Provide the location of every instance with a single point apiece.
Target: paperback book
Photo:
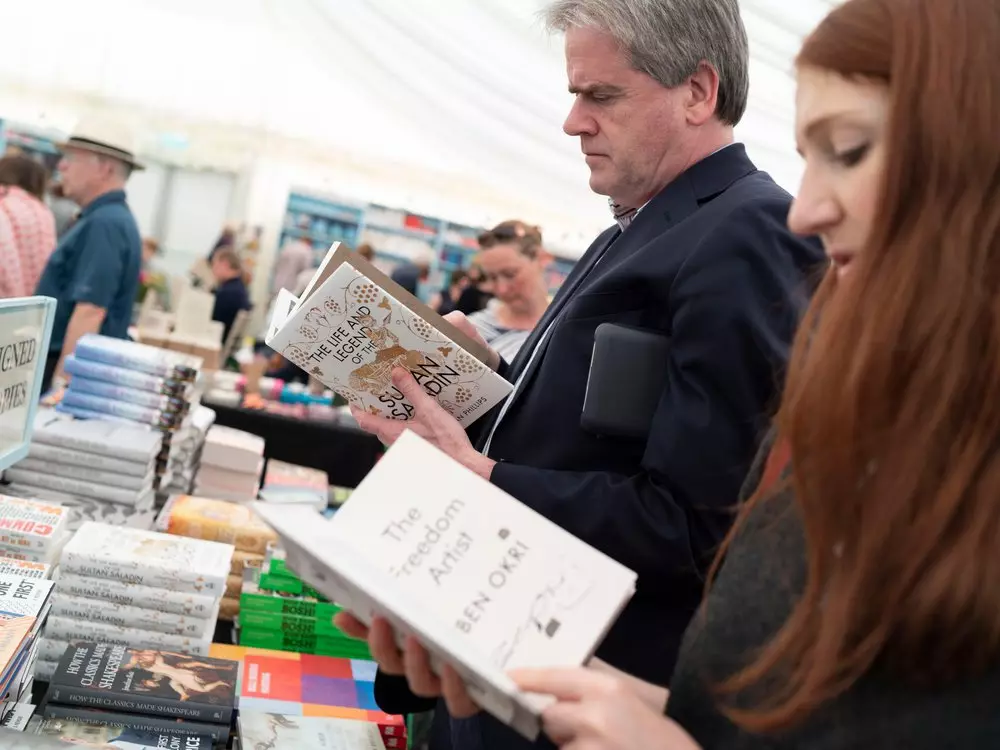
(30, 526)
(116, 736)
(353, 326)
(483, 581)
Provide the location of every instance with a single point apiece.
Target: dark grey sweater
(762, 577)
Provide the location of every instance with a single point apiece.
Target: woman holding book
(855, 603)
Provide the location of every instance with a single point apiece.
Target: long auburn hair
(891, 408)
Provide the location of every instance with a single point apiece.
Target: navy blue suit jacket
(710, 262)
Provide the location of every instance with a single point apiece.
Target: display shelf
(25, 328)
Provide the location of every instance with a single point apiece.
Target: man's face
(631, 128)
(81, 171)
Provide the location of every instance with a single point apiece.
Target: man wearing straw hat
(94, 272)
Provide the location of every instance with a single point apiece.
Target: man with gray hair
(701, 262)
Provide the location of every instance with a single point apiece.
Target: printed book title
(91, 668)
(16, 355)
(438, 545)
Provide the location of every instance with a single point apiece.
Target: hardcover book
(278, 731)
(353, 326)
(158, 683)
(216, 520)
(106, 438)
(125, 615)
(128, 354)
(70, 630)
(116, 736)
(135, 595)
(30, 525)
(483, 581)
(148, 558)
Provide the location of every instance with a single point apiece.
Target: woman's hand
(413, 662)
(598, 711)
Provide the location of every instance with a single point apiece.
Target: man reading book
(699, 253)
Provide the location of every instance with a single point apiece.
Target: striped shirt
(505, 341)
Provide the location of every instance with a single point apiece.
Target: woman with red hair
(856, 603)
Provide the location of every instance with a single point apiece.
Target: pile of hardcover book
(137, 588)
(231, 464)
(280, 612)
(122, 381)
(288, 483)
(103, 471)
(185, 451)
(220, 521)
(147, 697)
(25, 599)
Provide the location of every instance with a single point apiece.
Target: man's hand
(463, 324)
(596, 710)
(413, 663)
(430, 422)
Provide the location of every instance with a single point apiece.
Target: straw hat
(105, 137)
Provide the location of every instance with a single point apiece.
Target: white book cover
(24, 568)
(482, 580)
(134, 595)
(148, 558)
(23, 596)
(354, 325)
(69, 629)
(30, 525)
(125, 615)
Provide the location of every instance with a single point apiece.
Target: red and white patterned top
(27, 239)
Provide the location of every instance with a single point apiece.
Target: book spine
(148, 705)
(286, 605)
(125, 377)
(68, 629)
(174, 602)
(71, 486)
(87, 474)
(111, 407)
(113, 448)
(294, 624)
(70, 457)
(144, 359)
(125, 393)
(126, 616)
(175, 580)
(218, 732)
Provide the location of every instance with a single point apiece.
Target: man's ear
(703, 94)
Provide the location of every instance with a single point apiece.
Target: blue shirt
(230, 297)
(97, 261)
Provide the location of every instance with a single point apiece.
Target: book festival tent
(450, 108)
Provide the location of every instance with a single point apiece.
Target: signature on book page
(548, 608)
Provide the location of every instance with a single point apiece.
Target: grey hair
(669, 39)
(122, 170)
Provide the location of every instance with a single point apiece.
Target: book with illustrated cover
(106, 736)
(265, 731)
(30, 525)
(486, 583)
(135, 595)
(148, 558)
(146, 681)
(353, 326)
(288, 483)
(216, 520)
(216, 733)
(23, 595)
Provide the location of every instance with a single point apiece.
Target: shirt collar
(112, 196)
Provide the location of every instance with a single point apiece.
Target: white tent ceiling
(470, 90)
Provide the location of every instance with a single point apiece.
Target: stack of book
(102, 470)
(291, 700)
(280, 612)
(137, 588)
(231, 464)
(154, 691)
(32, 530)
(25, 599)
(220, 521)
(288, 483)
(184, 455)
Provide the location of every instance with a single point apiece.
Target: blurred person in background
(411, 274)
(366, 251)
(446, 300)
(64, 209)
(226, 239)
(295, 257)
(513, 261)
(231, 294)
(477, 293)
(27, 226)
(94, 272)
(150, 276)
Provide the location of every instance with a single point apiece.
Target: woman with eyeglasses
(512, 262)
(856, 603)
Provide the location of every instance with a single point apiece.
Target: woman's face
(840, 132)
(513, 277)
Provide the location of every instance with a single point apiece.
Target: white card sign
(25, 327)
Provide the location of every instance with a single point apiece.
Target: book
(23, 595)
(304, 643)
(135, 595)
(70, 629)
(18, 716)
(76, 487)
(89, 474)
(157, 683)
(24, 568)
(216, 733)
(126, 378)
(130, 355)
(53, 454)
(278, 731)
(148, 558)
(125, 615)
(122, 441)
(232, 449)
(353, 326)
(216, 520)
(117, 736)
(77, 401)
(288, 483)
(483, 581)
(30, 525)
(256, 599)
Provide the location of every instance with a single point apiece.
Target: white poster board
(25, 327)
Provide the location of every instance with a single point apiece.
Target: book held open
(353, 325)
(483, 581)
